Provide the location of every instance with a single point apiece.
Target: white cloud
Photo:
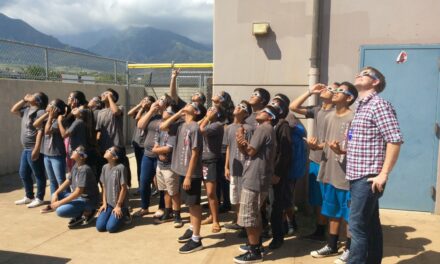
(192, 18)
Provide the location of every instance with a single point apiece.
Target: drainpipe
(315, 59)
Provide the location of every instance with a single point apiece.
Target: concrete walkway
(30, 237)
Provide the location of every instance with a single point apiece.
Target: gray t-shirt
(188, 137)
(252, 120)
(111, 127)
(139, 136)
(319, 115)
(53, 143)
(163, 138)
(150, 131)
(28, 133)
(236, 157)
(258, 170)
(113, 178)
(332, 169)
(212, 140)
(78, 134)
(83, 177)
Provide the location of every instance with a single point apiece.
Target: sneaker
(248, 257)
(25, 200)
(46, 209)
(232, 226)
(154, 191)
(343, 258)
(164, 218)
(88, 219)
(191, 246)
(326, 251)
(75, 221)
(245, 248)
(178, 223)
(186, 236)
(158, 214)
(35, 203)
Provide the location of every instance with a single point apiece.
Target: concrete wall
(12, 91)
(278, 61)
(356, 23)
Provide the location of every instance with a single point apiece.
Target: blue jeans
(29, 167)
(148, 170)
(107, 221)
(74, 208)
(366, 230)
(56, 171)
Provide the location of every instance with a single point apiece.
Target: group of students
(257, 149)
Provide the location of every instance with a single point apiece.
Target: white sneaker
(25, 200)
(343, 258)
(36, 202)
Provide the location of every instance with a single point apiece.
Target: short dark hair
(284, 104)
(80, 97)
(151, 98)
(352, 89)
(382, 82)
(202, 112)
(275, 112)
(114, 93)
(248, 106)
(61, 105)
(265, 95)
(42, 100)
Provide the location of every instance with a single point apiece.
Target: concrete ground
(30, 237)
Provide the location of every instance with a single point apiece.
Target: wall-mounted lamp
(260, 29)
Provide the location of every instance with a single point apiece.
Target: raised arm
(165, 126)
(297, 104)
(173, 87)
(39, 121)
(143, 121)
(19, 105)
(113, 106)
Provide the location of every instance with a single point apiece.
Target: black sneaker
(87, 219)
(178, 223)
(248, 257)
(75, 221)
(186, 236)
(326, 251)
(191, 246)
(245, 248)
(233, 226)
(275, 243)
(164, 218)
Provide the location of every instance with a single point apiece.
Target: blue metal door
(412, 87)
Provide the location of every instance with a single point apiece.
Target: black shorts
(192, 196)
(209, 170)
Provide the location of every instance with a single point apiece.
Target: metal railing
(29, 61)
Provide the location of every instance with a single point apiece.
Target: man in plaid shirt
(374, 140)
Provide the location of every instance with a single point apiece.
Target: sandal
(207, 220)
(141, 213)
(216, 228)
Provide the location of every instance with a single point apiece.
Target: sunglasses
(243, 107)
(330, 89)
(257, 94)
(369, 74)
(112, 152)
(267, 110)
(276, 106)
(341, 90)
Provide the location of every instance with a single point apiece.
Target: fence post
(127, 103)
(115, 72)
(46, 59)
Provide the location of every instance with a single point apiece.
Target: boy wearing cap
(280, 185)
(235, 159)
(187, 163)
(259, 99)
(257, 176)
(318, 113)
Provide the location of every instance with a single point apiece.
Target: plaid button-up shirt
(374, 125)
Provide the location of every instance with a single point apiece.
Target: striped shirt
(374, 125)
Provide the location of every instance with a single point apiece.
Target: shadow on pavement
(397, 236)
(428, 257)
(18, 257)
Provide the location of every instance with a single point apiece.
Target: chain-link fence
(155, 82)
(27, 61)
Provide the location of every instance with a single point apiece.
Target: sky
(191, 18)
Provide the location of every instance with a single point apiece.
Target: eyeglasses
(330, 89)
(267, 110)
(257, 94)
(243, 107)
(341, 90)
(276, 106)
(369, 74)
(112, 152)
